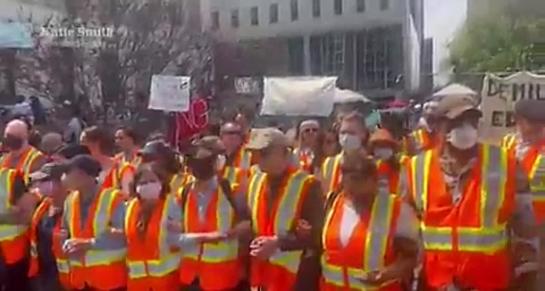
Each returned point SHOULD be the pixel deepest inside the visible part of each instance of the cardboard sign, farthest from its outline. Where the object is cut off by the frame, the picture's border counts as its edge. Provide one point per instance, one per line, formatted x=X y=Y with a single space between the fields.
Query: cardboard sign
x=170 y=93
x=299 y=96
x=499 y=96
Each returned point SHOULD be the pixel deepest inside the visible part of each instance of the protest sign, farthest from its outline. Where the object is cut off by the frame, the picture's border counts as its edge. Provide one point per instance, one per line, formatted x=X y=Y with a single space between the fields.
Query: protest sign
x=169 y=93
x=298 y=96
x=499 y=96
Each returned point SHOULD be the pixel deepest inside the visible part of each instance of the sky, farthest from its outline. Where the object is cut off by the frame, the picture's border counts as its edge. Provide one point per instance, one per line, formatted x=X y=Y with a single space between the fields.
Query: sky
x=443 y=18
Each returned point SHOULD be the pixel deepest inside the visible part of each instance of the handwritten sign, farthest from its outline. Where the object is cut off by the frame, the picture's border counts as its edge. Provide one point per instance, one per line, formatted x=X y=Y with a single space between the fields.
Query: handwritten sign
x=499 y=96
x=170 y=93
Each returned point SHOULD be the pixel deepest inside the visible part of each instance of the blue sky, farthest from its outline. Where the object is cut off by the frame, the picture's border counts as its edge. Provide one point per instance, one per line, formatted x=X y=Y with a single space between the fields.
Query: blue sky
x=443 y=18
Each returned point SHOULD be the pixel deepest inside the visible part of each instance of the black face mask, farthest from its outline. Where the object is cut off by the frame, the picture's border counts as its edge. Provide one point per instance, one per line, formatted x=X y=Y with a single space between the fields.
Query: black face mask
x=13 y=142
x=203 y=169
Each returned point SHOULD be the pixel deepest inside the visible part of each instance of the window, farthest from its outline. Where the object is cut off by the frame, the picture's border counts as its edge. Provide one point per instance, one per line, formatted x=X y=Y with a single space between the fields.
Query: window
x=294 y=10
x=273 y=13
x=360 y=5
x=215 y=18
x=316 y=9
x=235 y=21
x=338 y=7
x=254 y=17
x=384 y=4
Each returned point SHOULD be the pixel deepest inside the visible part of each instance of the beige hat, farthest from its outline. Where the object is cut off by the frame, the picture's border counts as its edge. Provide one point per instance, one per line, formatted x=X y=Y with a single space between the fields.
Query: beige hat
x=206 y=146
x=453 y=106
x=262 y=138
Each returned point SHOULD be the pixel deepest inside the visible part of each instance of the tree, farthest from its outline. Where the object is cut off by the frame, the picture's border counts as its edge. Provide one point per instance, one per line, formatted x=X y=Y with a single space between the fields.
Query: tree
x=497 y=43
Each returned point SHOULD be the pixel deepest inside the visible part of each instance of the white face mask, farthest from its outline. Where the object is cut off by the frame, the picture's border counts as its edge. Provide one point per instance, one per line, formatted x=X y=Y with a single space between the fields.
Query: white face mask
x=349 y=141
x=149 y=191
x=463 y=137
x=383 y=153
x=222 y=160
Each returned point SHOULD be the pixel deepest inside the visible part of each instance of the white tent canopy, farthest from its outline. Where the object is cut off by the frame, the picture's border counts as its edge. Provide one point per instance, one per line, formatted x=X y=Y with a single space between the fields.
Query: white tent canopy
x=455 y=89
x=347 y=96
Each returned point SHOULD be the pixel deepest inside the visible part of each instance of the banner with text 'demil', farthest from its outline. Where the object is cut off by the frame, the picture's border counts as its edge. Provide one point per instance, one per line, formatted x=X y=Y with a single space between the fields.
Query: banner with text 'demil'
x=499 y=96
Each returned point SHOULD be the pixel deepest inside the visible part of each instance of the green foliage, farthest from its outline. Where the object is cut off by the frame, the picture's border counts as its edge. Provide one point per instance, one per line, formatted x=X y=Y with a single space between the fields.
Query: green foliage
x=497 y=43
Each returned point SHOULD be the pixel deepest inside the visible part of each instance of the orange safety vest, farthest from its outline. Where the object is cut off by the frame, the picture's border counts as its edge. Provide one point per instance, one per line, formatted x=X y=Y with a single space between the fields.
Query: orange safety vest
x=37 y=216
x=331 y=172
x=370 y=247
x=303 y=160
x=178 y=181
x=135 y=161
x=217 y=266
x=243 y=160
x=235 y=176
x=509 y=141
x=152 y=263
x=13 y=238
x=533 y=165
x=388 y=177
x=462 y=240
x=280 y=270
x=25 y=163
x=422 y=140
x=99 y=269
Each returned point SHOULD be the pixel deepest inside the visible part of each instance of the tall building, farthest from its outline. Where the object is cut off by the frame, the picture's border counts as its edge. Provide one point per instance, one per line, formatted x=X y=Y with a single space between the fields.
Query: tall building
x=373 y=46
x=516 y=8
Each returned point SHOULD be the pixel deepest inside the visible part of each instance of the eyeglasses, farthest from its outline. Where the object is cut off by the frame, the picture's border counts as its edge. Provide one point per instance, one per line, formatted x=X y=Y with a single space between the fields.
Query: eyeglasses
x=309 y=130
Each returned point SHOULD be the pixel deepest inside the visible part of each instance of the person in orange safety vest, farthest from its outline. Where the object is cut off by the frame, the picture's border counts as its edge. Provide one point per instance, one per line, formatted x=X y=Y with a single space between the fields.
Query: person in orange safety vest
x=370 y=237
x=21 y=156
x=424 y=137
x=384 y=149
x=49 y=268
x=353 y=135
x=114 y=174
x=232 y=137
x=279 y=196
x=307 y=148
x=214 y=219
x=127 y=140
x=93 y=219
x=153 y=254
x=470 y=198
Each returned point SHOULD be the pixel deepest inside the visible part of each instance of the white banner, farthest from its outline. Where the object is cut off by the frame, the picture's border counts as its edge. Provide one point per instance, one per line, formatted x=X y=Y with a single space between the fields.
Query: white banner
x=170 y=93
x=499 y=96
x=298 y=96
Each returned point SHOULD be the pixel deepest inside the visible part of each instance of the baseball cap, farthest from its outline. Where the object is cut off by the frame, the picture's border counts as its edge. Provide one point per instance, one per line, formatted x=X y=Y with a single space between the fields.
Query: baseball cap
x=84 y=163
x=531 y=109
x=71 y=150
x=205 y=147
x=155 y=147
x=453 y=106
x=262 y=138
x=49 y=171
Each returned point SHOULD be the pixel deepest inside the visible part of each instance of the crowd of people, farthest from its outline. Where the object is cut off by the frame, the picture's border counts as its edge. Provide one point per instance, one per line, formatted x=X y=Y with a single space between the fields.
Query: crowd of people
x=331 y=207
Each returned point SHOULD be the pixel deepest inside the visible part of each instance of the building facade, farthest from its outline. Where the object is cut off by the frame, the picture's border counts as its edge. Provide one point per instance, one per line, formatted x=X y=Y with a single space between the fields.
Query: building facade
x=373 y=46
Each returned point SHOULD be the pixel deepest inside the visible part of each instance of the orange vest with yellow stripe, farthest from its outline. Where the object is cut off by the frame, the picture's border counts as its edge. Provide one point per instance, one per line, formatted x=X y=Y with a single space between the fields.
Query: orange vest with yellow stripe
x=25 y=163
x=13 y=238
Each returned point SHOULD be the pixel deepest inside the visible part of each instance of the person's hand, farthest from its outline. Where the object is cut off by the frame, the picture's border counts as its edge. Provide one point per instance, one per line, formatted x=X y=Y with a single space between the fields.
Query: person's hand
x=372 y=278
x=264 y=247
x=240 y=229
x=303 y=228
x=77 y=245
x=211 y=237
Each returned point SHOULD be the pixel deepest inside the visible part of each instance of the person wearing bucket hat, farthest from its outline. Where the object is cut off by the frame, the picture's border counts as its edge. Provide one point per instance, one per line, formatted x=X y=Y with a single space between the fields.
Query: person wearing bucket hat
x=424 y=137
x=384 y=149
x=470 y=199
x=277 y=261
x=48 y=266
x=201 y=200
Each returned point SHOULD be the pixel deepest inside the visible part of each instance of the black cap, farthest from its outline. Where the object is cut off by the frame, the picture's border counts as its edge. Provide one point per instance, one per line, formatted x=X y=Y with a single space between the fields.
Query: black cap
x=531 y=109
x=154 y=148
x=71 y=150
x=49 y=171
x=84 y=163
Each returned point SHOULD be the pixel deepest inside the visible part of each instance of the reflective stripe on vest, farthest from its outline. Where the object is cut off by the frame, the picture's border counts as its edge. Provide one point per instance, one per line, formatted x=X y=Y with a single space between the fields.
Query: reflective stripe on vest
x=245 y=160
x=222 y=251
x=102 y=214
x=537 y=179
x=38 y=214
x=29 y=161
x=285 y=214
x=330 y=169
x=232 y=175
x=8 y=232
x=490 y=236
x=168 y=261
x=62 y=266
x=509 y=140
x=375 y=245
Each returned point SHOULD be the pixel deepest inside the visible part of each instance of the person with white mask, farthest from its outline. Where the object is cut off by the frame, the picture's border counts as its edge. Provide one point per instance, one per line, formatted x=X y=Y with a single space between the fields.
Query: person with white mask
x=475 y=208
x=353 y=135
x=384 y=149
